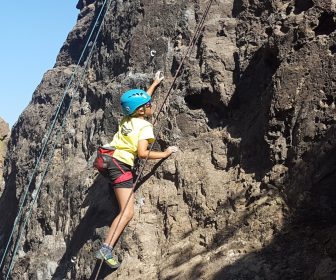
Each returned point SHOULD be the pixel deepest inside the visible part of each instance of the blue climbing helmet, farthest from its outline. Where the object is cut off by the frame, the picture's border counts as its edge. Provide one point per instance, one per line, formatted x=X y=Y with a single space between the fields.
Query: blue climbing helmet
x=132 y=100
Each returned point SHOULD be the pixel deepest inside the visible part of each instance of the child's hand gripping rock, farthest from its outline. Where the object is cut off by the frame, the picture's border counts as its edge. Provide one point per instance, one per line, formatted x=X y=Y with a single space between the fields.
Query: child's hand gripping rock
x=171 y=150
x=158 y=77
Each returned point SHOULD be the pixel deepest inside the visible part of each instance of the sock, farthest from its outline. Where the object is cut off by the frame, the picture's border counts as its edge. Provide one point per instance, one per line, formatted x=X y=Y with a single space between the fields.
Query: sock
x=106 y=251
x=107 y=246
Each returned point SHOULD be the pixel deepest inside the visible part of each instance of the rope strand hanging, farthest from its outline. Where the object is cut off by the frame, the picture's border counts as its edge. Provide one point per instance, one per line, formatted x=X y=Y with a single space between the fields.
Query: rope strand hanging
x=42 y=153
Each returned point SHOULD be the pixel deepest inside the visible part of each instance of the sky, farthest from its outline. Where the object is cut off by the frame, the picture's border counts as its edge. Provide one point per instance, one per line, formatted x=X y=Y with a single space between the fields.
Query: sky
x=31 y=35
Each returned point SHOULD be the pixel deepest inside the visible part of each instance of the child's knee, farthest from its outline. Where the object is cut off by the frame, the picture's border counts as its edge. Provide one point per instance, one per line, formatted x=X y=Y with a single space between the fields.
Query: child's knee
x=129 y=214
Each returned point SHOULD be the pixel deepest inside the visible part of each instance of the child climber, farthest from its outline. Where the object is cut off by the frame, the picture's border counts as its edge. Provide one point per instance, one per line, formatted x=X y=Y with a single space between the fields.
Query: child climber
x=134 y=135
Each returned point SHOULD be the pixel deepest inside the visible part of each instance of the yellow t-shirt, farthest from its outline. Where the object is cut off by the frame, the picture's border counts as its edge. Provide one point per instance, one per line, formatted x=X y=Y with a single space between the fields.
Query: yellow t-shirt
x=131 y=130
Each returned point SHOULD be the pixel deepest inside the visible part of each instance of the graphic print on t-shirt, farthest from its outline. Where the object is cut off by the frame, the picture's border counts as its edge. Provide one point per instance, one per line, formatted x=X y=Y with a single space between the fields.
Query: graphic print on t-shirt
x=125 y=131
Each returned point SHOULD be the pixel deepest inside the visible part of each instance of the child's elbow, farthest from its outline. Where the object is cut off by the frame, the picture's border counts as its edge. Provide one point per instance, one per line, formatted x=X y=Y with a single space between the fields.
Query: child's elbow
x=142 y=154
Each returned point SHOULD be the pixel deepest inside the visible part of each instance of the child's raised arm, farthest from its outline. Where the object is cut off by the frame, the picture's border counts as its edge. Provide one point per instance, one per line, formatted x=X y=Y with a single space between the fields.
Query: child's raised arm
x=157 y=80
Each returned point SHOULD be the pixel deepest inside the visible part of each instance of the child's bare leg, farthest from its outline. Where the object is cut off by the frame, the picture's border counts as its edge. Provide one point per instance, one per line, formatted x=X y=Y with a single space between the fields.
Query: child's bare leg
x=114 y=232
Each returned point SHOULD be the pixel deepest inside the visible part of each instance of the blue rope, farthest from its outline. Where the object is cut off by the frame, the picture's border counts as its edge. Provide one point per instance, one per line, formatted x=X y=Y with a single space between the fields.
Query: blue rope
x=50 y=158
x=52 y=128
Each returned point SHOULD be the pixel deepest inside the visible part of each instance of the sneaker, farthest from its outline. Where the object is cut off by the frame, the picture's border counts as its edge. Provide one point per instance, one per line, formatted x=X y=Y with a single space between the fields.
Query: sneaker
x=105 y=254
x=112 y=262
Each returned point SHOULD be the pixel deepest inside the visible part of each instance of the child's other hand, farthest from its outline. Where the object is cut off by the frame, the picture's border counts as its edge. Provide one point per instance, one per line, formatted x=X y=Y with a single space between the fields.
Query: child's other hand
x=158 y=77
x=171 y=150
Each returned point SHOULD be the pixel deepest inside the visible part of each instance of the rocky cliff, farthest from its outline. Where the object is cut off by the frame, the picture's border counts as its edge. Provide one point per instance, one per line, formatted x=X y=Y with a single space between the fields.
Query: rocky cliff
x=4 y=136
x=250 y=195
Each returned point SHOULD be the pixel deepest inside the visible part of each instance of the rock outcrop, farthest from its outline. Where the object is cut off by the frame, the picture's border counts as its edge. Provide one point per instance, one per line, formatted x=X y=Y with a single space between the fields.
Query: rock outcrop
x=4 y=136
x=250 y=195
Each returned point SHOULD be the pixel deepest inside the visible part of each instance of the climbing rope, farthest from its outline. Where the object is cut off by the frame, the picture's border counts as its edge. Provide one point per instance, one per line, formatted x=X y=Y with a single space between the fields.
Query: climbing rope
x=38 y=189
x=187 y=54
x=58 y=111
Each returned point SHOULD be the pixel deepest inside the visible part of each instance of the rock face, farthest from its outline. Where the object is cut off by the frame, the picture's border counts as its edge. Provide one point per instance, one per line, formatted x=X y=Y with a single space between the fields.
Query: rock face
x=250 y=195
x=4 y=136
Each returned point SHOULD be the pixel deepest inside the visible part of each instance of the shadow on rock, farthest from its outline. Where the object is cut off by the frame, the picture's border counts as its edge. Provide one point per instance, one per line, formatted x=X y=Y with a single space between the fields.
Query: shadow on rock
x=144 y=178
x=249 y=111
x=103 y=208
x=100 y=271
x=305 y=247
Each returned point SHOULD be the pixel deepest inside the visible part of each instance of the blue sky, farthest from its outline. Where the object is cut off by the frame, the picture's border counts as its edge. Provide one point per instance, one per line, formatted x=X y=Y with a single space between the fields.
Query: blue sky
x=32 y=33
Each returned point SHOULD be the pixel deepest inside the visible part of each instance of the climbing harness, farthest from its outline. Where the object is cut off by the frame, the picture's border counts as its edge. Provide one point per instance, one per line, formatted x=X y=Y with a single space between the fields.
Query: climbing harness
x=103 y=159
x=59 y=111
x=188 y=52
x=103 y=162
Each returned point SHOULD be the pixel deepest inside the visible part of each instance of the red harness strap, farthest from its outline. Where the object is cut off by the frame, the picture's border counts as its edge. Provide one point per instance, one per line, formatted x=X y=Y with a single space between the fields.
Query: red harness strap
x=103 y=161
x=125 y=175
